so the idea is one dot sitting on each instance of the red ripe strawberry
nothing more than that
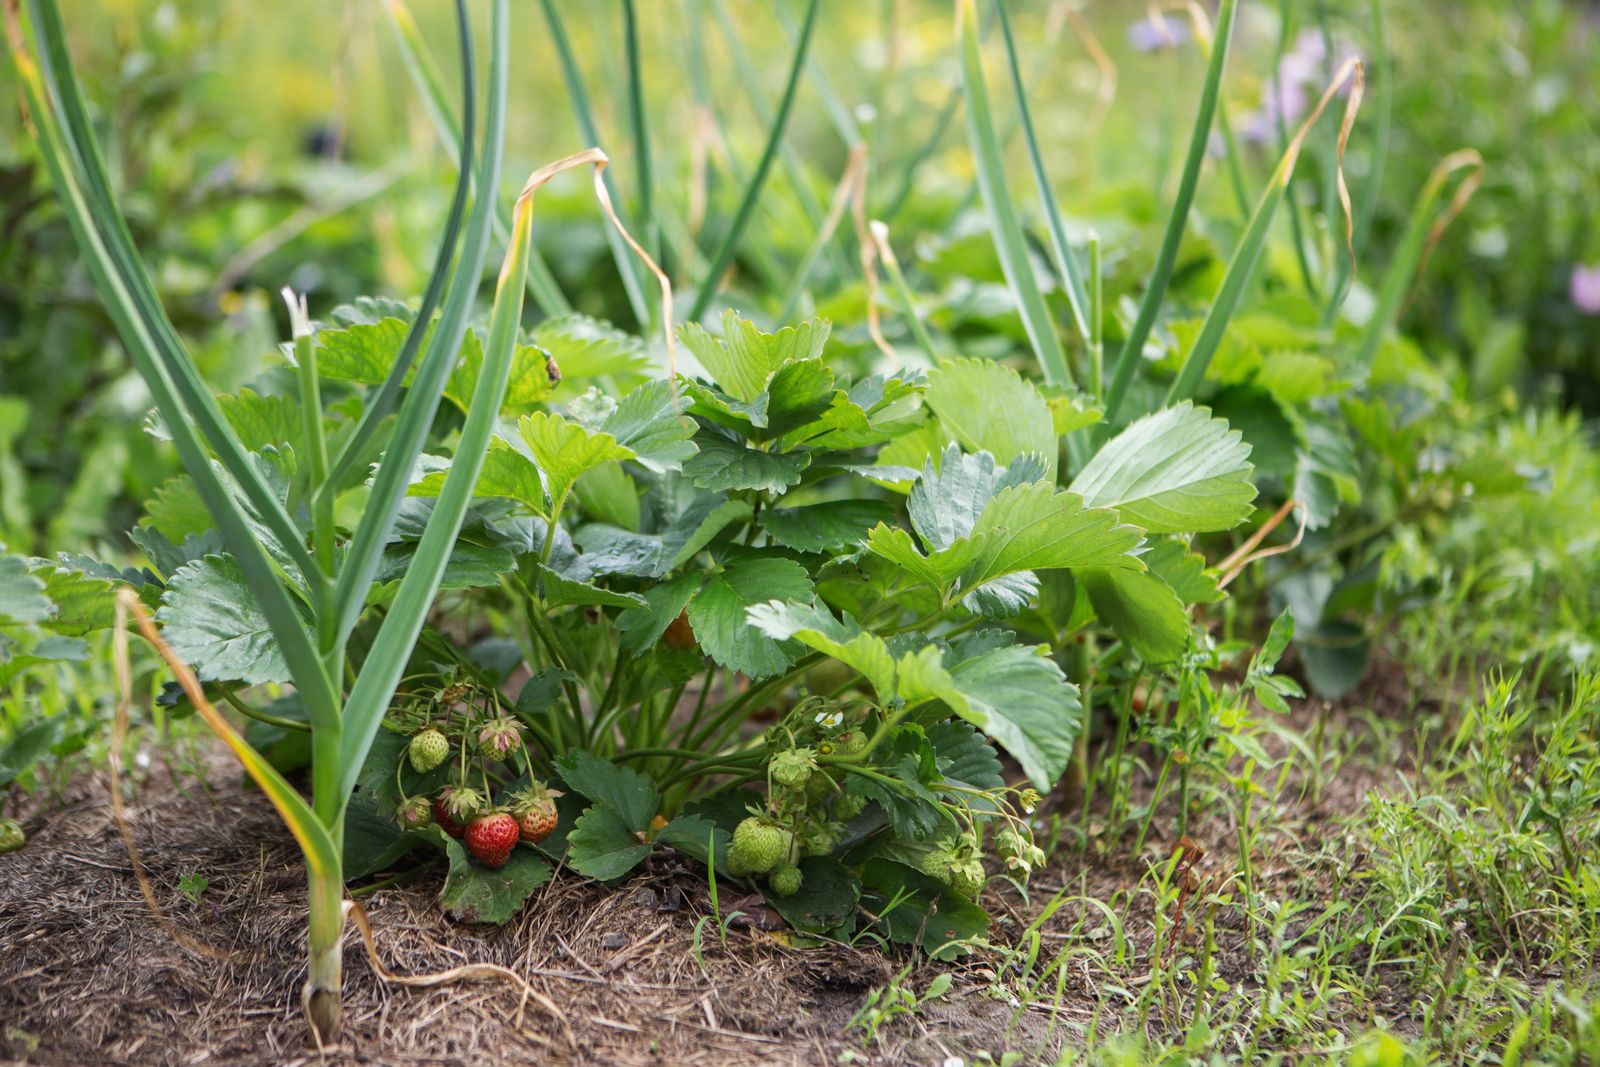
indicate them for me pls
(454, 808)
(534, 809)
(491, 837)
(446, 821)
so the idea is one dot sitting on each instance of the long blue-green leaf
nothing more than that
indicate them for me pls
(41, 86)
(1132, 348)
(386, 662)
(752, 189)
(379, 407)
(633, 282)
(1241, 268)
(1066, 261)
(82, 155)
(1425, 226)
(1008, 239)
(443, 347)
(542, 284)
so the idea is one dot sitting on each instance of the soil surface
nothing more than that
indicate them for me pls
(90, 974)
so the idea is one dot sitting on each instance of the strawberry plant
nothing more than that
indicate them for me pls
(776, 614)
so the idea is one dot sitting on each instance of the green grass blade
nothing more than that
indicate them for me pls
(1425, 226)
(1241, 268)
(542, 284)
(443, 346)
(383, 404)
(752, 190)
(1066, 260)
(838, 114)
(81, 154)
(632, 281)
(264, 580)
(1133, 347)
(640, 127)
(1008, 239)
(788, 158)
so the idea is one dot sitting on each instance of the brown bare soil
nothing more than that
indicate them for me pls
(90, 975)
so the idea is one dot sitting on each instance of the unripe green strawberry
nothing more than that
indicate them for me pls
(785, 881)
(427, 750)
(818, 839)
(490, 838)
(792, 767)
(938, 864)
(819, 786)
(850, 742)
(11, 836)
(759, 846)
(414, 813)
(967, 878)
(500, 737)
(847, 806)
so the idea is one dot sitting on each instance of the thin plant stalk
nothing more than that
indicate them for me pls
(1166, 258)
(752, 191)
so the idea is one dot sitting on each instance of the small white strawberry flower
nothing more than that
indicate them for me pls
(830, 720)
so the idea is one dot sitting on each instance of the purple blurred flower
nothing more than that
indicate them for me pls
(1287, 92)
(1157, 31)
(1585, 288)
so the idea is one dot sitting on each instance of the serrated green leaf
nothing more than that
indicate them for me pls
(586, 348)
(926, 912)
(474, 894)
(813, 626)
(951, 494)
(1033, 527)
(745, 357)
(563, 450)
(649, 421)
(262, 420)
(80, 602)
(506, 473)
(989, 407)
(629, 794)
(1014, 693)
(608, 494)
(1184, 571)
(22, 599)
(1141, 609)
(560, 592)
(365, 353)
(718, 613)
(723, 465)
(643, 626)
(213, 623)
(469, 567)
(827, 901)
(833, 526)
(720, 518)
(1177, 470)
(602, 847)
